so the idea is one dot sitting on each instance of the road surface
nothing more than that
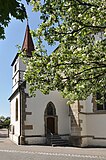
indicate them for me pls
(11, 151)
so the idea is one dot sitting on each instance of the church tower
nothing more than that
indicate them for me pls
(18, 84)
(17, 64)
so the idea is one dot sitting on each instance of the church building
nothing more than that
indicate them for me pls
(47, 119)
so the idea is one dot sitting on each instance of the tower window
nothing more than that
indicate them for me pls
(16, 109)
(15, 67)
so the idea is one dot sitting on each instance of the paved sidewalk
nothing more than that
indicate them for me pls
(7, 145)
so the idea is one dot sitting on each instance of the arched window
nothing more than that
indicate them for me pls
(50, 109)
(16, 109)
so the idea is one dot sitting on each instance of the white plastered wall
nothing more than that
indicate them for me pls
(15, 124)
(87, 105)
(18, 74)
(93, 125)
(37, 106)
(96, 128)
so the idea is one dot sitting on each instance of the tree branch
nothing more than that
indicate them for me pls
(72, 32)
(90, 26)
(86, 4)
(81, 63)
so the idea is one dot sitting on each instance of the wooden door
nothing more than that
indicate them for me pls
(51, 125)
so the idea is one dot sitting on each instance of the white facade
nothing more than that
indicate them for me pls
(34, 123)
(37, 106)
(32, 118)
(93, 130)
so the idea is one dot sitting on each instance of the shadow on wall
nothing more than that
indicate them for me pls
(75, 137)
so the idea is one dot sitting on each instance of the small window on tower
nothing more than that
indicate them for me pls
(15, 67)
(16, 109)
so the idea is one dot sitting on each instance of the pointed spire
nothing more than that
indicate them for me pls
(28, 45)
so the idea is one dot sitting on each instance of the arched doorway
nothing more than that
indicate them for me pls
(51, 119)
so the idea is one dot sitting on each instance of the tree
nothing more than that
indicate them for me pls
(4, 122)
(77, 67)
(2, 118)
(9, 9)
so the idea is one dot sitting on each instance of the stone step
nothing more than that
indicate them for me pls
(56, 140)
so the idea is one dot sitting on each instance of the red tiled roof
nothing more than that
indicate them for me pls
(28, 45)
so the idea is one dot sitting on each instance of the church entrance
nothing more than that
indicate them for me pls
(51, 119)
(50, 125)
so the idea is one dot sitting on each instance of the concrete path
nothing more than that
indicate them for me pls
(11, 151)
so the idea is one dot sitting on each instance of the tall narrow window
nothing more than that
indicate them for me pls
(15, 67)
(103, 105)
(16, 109)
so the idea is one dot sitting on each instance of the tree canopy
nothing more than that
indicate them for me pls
(9, 9)
(4, 122)
(77, 67)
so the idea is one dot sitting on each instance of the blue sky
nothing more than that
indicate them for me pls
(14, 36)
